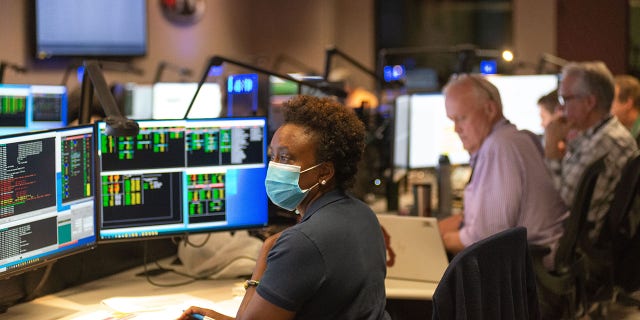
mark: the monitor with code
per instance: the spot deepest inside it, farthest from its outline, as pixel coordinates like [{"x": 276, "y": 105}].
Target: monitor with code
[{"x": 47, "y": 197}]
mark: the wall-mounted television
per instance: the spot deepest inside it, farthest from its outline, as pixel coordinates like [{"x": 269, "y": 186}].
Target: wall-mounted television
[{"x": 97, "y": 28}]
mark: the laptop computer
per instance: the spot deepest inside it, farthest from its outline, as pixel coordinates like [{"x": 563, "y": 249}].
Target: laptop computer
[{"x": 415, "y": 250}]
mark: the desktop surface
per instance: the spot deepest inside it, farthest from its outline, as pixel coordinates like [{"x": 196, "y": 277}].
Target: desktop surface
[{"x": 87, "y": 301}]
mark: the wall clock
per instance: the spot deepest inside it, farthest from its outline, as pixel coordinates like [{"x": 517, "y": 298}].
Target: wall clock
[{"x": 183, "y": 11}]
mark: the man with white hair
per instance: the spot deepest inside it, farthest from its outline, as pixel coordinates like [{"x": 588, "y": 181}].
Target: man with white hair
[{"x": 585, "y": 93}]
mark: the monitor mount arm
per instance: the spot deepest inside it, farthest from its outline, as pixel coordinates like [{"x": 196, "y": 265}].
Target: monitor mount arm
[{"x": 117, "y": 124}]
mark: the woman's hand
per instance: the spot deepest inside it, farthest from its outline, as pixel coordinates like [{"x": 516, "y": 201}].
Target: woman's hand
[{"x": 187, "y": 314}]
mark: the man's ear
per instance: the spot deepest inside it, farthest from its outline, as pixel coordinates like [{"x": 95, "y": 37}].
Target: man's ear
[
  {"x": 591, "y": 101},
  {"x": 491, "y": 109}
]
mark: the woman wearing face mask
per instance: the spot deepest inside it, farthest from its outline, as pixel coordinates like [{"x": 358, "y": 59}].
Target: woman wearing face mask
[{"x": 331, "y": 265}]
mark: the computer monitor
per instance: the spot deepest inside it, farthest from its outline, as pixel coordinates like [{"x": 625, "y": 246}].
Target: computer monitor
[
  {"x": 76, "y": 28},
  {"x": 47, "y": 201},
  {"x": 183, "y": 176},
  {"x": 49, "y": 109},
  {"x": 520, "y": 94},
  {"x": 15, "y": 105},
  {"x": 171, "y": 100},
  {"x": 25, "y": 107},
  {"x": 138, "y": 101},
  {"x": 280, "y": 91},
  {"x": 422, "y": 132}
]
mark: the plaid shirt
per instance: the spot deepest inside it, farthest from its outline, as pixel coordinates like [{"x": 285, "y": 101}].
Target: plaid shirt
[{"x": 609, "y": 137}]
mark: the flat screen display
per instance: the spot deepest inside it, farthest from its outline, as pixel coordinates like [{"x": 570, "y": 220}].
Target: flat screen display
[
  {"x": 47, "y": 201},
  {"x": 423, "y": 132},
  {"x": 97, "y": 28},
  {"x": 520, "y": 94},
  {"x": 171, "y": 100},
  {"x": 183, "y": 176}
]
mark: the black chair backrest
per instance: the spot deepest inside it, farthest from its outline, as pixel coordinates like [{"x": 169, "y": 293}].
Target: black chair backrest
[
  {"x": 625, "y": 194},
  {"x": 491, "y": 279},
  {"x": 574, "y": 225},
  {"x": 623, "y": 221}
]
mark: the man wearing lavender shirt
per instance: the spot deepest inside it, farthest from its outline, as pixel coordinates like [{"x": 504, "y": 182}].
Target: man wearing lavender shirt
[{"x": 510, "y": 185}]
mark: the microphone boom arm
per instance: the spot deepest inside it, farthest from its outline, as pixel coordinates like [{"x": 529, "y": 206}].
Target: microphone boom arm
[{"x": 219, "y": 60}]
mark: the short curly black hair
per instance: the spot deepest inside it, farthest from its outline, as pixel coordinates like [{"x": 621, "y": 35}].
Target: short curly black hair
[{"x": 340, "y": 133}]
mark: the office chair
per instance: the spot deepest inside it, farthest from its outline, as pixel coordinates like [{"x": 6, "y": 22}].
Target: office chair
[
  {"x": 491, "y": 279},
  {"x": 614, "y": 255},
  {"x": 562, "y": 290}
]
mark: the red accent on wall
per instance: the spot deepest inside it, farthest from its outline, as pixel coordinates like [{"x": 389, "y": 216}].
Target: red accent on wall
[{"x": 594, "y": 30}]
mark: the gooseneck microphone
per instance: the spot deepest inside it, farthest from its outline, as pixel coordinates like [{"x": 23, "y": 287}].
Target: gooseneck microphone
[
  {"x": 163, "y": 65},
  {"x": 4, "y": 65},
  {"x": 216, "y": 61}
]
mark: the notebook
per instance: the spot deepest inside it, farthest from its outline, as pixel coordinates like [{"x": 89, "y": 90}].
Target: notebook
[{"x": 417, "y": 246}]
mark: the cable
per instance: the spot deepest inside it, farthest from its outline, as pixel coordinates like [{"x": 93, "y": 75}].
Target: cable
[
  {"x": 191, "y": 278},
  {"x": 148, "y": 277},
  {"x": 185, "y": 238}
]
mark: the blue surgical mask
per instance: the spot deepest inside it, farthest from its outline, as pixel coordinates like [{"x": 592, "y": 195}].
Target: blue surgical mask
[{"x": 282, "y": 185}]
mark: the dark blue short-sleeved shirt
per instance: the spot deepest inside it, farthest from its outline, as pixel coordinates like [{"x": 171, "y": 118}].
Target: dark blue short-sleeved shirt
[{"x": 331, "y": 265}]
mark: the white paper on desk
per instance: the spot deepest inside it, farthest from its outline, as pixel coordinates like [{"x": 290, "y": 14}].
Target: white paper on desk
[{"x": 169, "y": 305}]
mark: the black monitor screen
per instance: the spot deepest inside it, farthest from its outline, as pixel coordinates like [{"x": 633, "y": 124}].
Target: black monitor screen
[
  {"x": 183, "y": 176},
  {"x": 47, "y": 197}
]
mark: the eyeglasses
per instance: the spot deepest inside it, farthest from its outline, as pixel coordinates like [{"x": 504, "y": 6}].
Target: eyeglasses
[{"x": 563, "y": 100}]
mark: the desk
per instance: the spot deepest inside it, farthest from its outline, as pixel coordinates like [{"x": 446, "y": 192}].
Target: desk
[
  {"x": 409, "y": 290},
  {"x": 80, "y": 301}
]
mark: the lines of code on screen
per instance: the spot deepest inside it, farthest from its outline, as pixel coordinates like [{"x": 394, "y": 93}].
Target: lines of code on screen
[
  {"x": 77, "y": 163},
  {"x": 27, "y": 176}
]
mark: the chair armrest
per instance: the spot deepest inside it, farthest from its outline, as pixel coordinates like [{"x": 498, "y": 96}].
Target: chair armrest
[
  {"x": 538, "y": 251},
  {"x": 554, "y": 281}
]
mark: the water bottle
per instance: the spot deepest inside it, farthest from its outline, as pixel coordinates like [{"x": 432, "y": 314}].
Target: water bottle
[{"x": 444, "y": 187}]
